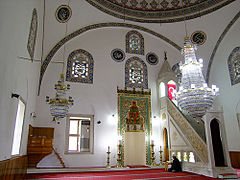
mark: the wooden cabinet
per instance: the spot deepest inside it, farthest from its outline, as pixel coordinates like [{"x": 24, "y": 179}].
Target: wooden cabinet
[
  {"x": 235, "y": 159},
  {"x": 40, "y": 141}
]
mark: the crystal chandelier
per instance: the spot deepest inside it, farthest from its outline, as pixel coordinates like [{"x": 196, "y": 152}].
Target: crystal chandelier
[
  {"x": 59, "y": 105},
  {"x": 194, "y": 95}
]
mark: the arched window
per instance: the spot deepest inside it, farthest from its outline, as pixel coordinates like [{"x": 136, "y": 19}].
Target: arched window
[
  {"x": 171, "y": 85},
  {"x": 136, "y": 74},
  {"x": 80, "y": 67},
  {"x": 234, "y": 65},
  {"x": 162, "y": 91},
  {"x": 134, "y": 43}
]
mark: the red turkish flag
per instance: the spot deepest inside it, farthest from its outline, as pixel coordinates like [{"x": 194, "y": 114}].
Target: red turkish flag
[{"x": 171, "y": 88}]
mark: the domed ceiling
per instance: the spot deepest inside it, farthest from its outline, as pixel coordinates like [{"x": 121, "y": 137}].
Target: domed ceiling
[{"x": 158, "y": 11}]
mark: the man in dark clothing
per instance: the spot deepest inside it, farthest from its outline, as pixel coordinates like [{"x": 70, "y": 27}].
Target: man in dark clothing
[{"x": 176, "y": 166}]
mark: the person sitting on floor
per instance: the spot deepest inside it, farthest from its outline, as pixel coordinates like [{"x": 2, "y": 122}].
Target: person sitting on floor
[{"x": 176, "y": 166}]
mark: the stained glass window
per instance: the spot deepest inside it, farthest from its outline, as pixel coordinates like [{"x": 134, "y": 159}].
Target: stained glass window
[
  {"x": 80, "y": 67},
  {"x": 134, "y": 43},
  {"x": 136, "y": 73},
  {"x": 234, "y": 65}
]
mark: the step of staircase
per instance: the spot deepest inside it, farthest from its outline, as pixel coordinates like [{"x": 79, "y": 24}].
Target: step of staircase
[{"x": 228, "y": 176}]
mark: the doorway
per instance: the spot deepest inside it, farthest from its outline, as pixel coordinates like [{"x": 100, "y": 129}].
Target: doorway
[
  {"x": 134, "y": 148},
  {"x": 217, "y": 143},
  {"x": 165, "y": 145}
]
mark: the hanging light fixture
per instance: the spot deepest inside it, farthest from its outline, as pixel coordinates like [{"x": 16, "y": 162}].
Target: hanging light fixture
[
  {"x": 60, "y": 105},
  {"x": 194, "y": 95}
]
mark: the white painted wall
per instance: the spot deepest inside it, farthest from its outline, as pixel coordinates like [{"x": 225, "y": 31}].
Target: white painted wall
[
  {"x": 229, "y": 95},
  {"x": 100, "y": 98},
  {"x": 16, "y": 75},
  {"x": 177, "y": 142}
]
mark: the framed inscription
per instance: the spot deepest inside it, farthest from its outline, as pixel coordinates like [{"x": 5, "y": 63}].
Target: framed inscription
[
  {"x": 63, "y": 13},
  {"x": 152, "y": 58},
  {"x": 198, "y": 37},
  {"x": 117, "y": 55}
]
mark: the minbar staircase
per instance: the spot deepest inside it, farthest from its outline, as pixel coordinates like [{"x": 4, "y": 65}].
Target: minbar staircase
[
  {"x": 40, "y": 145},
  {"x": 59, "y": 158},
  {"x": 187, "y": 131},
  {"x": 195, "y": 133}
]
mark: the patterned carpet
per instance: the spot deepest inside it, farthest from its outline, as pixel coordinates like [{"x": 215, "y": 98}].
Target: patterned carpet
[
  {"x": 238, "y": 172},
  {"x": 140, "y": 174}
]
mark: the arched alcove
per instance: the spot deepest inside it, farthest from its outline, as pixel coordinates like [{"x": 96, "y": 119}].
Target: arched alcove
[
  {"x": 217, "y": 143},
  {"x": 165, "y": 145},
  {"x": 164, "y": 116}
]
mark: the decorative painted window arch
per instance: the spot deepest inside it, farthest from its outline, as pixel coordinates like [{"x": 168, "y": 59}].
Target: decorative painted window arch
[
  {"x": 80, "y": 67},
  {"x": 134, "y": 43},
  {"x": 136, "y": 74},
  {"x": 234, "y": 66}
]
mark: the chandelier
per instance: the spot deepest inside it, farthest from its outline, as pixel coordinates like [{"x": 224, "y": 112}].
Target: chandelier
[
  {"x": 194, "y": 95},
  {"x": 59, "y": 105}
]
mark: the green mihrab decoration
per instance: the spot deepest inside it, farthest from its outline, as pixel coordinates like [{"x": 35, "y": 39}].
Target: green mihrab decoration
[{"x": 134, "y": 121}]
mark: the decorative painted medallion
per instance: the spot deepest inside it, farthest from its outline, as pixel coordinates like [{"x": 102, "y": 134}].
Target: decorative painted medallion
[
  {"x": 152, "y": 58},
  {"x": 234, "y": 66},
  {"x": 80, "y": 67},
  {"x": 63, "y": 13},
  {"x": 136, "y": 74},
  {"x": 153, "y": 11},
  {"x": 198, "y": 37},
  {"x": 118, "y": 55},
  {"x": 32, "y": 34},
  {"x": 134, "y": 43}
]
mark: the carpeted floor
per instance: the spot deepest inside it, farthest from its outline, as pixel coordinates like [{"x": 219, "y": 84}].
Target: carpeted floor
[
  {"x": 238, "y": 172},
  {"x": 151, "y": 174}
]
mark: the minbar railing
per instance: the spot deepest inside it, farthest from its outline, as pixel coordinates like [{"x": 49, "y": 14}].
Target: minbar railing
[{"x": 187, "y": 130}]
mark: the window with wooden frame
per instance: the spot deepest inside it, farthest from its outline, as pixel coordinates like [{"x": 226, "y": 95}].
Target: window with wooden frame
[{"x": 79, "y": 134}]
